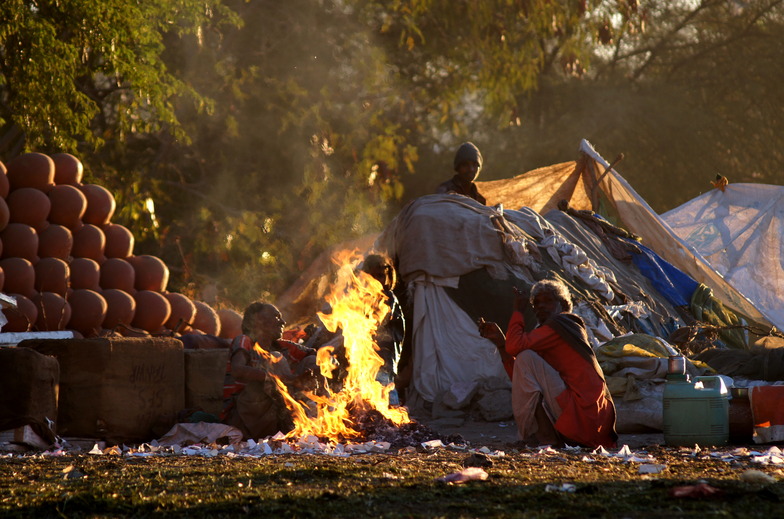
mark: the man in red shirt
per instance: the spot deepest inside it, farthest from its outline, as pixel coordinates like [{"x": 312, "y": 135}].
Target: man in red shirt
[
  {"x": 558, "y": 390},
  {"x": 252, "y": 400}
]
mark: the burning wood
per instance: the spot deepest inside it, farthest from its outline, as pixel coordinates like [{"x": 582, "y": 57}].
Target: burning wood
[{"x": 359, "y": 405}]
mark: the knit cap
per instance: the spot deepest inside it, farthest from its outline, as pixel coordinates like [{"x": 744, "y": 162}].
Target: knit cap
[{"x": 468, "y": 152}]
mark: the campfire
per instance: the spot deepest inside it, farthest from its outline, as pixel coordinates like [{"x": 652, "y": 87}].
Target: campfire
[{"x": 360, "y": 407}]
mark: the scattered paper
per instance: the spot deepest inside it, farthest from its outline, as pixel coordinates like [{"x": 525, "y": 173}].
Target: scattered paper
[
  {"x": 651, "y": 468},
  {"x": 465, "y": 475},
  {"x": 566, "y": 487},
  {"x": 695, "y": 491},
  {"x": 757, "y": 477}
]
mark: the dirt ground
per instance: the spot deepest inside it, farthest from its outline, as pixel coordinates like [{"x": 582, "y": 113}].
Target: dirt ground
[{"x": 501, "y": 435}]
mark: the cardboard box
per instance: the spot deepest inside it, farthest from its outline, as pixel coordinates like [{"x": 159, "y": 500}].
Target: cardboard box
[{"x": 117, "y": 389}]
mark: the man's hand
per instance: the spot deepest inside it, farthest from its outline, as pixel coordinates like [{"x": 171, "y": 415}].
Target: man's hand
[
  {"x": 521, "y": 299},
  {"x": 492, "y": 332}
]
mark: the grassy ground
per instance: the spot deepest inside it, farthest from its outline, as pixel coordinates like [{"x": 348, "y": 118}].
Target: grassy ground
[{"x": 520, "y": 484}]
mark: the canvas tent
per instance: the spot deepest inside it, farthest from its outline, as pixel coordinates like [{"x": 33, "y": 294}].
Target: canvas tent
[
  {"x": 457, "y": 259},
  {"x": 738, "y": 230},
  {"x": 589, "y": 184}
]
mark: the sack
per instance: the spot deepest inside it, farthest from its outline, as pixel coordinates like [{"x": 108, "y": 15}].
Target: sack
[
  {"x": 205, "y": 371},
  {"x": 28, "y": 390},
  {"x": 119, "y": 389}
]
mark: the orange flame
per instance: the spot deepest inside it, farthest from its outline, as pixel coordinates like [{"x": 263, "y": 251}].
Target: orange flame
[{"x": 358, "y": 306}]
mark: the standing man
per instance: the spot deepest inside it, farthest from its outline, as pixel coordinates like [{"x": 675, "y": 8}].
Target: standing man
[
  {"x": 468, "y": 164},
  {"x": 558, "y": 390}
]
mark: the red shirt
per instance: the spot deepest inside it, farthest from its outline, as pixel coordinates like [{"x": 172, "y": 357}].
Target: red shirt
[{"x": 588, "y": 416}]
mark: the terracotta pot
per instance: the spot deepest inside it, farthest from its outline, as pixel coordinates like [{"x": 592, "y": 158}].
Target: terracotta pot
[
  {"x": 29, "y": 206},
  {"x": 152, "y": 311},
  {"x": 88, "y": 311},
  {"x": 54, "y": 312},
  {"x": 31, "y": 170},
  {"x": 121, "y": 307},
  {"x": 100, "y": 204},
  {"x": 85, "y": 273},
  {"x": 4, "y": 185},
  {"x": 119, "y": 241},
  {"x": 68, "y": 206},
  {"x": 2, "y": 279},
  {"x": 151, "y": 273},
  {"x": 118, "y": 273},
  {"x": 182, "y": 311},
  {"x": 89, "y": 242},
  {"x": 52, "y": 275},
  {"x": 19, "y": 276},
  {"x": 206, "y": 319},
  {"x": 56, "y": 241},
  {"x": 20, "y": 241},
  {"x": 230, "y": 323},
  {"x": 5, "y": 213},
  {"x": 23, "y": 317},
  {"x": 67, "y": 169}
]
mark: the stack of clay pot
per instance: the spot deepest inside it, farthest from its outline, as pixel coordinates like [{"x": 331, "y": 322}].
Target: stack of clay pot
[{"x": 70, "y": 268}]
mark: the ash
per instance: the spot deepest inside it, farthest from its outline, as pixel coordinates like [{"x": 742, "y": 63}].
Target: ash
[{"x": 375, "y": 427}]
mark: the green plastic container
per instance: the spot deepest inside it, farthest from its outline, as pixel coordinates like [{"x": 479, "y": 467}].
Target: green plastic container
[{"x": 696, "y": 412}]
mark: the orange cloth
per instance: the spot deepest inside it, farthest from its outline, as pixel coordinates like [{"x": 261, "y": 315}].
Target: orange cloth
[
  {"x": 587, "y": 416},
  {"x": 767, "y": 410}
]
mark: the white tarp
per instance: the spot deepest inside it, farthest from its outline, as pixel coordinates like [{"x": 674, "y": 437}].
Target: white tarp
[{"x": 738, "y": 231}]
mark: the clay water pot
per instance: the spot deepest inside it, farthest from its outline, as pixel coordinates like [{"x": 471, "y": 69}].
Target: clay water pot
[
  {"x": 118, "y": 273},
  {"x": 121, "y": 307},
  {"x": 68, "y": 206},
  {"x": 182, "y": 312},
  {"x": 89, "y": 242},
  {"x": 119, "y": 241},
  {"x": 100, "y": 204},
  {"x": 5, "y": 213},
  {"x": 230, "y": 323},
  {"x": 52, "y": 275},
  {"x": 2, "y": 279},
  {"x": 19, "y": 276},
  {"x": 54, "y": 312},
  {"x": 56, "y": 241},
  {"x": 4, "y": 185},
  {"x": 67, "y": 169},
  {"x": 31, "y": 170},
  {"x": 29, "y": 206},
  {"x": 152, "y": 311},
  {"x": 20, "y": 241},
  {"x": 23, "y": 317},
  {"x": 85, "y": 273},
  {"x": 88, "y": 311},
  {"x": 206, "y": 319},
  {"x": 151, "y": 273}
]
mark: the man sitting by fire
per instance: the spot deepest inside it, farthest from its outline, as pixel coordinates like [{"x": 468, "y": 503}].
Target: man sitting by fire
[
  {"x": 253, "y": 402},
  {"x": 558, "y": 390}
]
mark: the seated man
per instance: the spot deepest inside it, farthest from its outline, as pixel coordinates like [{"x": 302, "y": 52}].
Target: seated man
[
  {"x": 468, "y": 164},
  {"x": 558, "y": 390},
  {"x": 252, "y": 400}
]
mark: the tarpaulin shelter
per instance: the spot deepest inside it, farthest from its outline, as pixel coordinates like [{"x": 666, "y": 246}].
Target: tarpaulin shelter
[
  {"x": 458, "y": 259},
  {"x": 591, "y": 184},
  {"x": 738, "y": 230}
]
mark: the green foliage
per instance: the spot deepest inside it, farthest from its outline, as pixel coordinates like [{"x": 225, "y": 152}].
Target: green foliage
[
  {"x": 243, "y": 138},
  {"x": 65, "y": 64}
]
